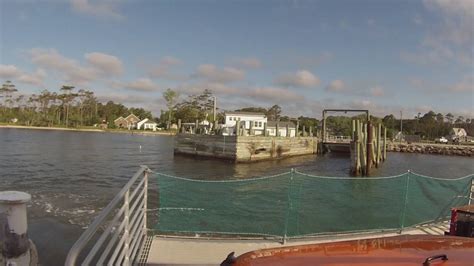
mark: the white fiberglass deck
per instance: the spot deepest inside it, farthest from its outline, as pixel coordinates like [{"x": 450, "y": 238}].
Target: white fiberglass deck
[{"x": 199, "y": 251}]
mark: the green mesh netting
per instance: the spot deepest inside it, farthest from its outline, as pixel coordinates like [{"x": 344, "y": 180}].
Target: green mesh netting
[
  {"x": 323, "y": 205},
  {"x": 256, "y": 206},
  {"x": 295, "y": 204},
  {"x": 430, "y": 199}
]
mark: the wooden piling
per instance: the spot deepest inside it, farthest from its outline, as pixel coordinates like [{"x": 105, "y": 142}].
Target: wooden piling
[
  {"x": 363, "y": 148},
  {"x": 353, "y": 128},
  {"x": 265, "y": 132},
  {"x": 297, "y": 132},
  {"x": 277, "y": 133},
  {"x": 251, "y": 133},
  {"x": 304, "y": 131},
  {"x": 369, "y": 148},
  {"x": 379, "y": 144},
  {"x": 376, "y": 146},
  {"x": 237, "y": 127},
  {"x": 179, "y": 125},
  {"x": 358, "y": 144},
  {"x": 384, "y": 144},
  {"x": 287, "y": 130},
  {"x": 196, "y": 125},
  {"x": 311, "y": 131}
]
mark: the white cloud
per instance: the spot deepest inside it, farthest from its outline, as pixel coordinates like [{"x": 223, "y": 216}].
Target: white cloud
[
  {"x": 224, "y": 75},
  {"x": 417, "y": 19},
  {"x": 36, "y": 78},
  {"x": 449, "y": 40},
  {"x": 71, "y": 71},
  {"x": 311, "y": 61},
  {"x": 302, "y": 78},
  {"x": 249, "y": 62},
  {"x": 107, "y": 64},
  {"x": 466, "y": 85},
  {"x": 170, "y": 61},
  {"x": 336, "y": 86},
  {"x": 273, "y": 94},
  {"x": 98, "y": 8},
  {"x": 163, "y": 69},
  {"x": 377, "y": 91},
  {"x": 17, "y": 75},
  {"x": 141, "y": 84},
  {"x": 9, "y": 71}
]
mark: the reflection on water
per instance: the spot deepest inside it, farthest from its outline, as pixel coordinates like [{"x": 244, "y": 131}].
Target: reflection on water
[{"x": 72, "y": 175}]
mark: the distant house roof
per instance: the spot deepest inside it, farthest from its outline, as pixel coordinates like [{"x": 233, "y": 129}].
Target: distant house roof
[
  {"x": 120, "y": 118},
  {"x": 146, "y": 121},
  {"x": 245, "y": 113},
  {"x": 459, "y": 131},
  {"x": 281, "y": 124},
  {"x": 132, "y": 116}
]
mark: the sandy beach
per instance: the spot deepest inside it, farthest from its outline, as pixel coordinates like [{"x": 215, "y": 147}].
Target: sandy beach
[{"x": 132, "y": 132}]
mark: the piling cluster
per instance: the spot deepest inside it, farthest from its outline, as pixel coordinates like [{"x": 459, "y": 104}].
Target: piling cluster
[{"x": 368, "y": 146}]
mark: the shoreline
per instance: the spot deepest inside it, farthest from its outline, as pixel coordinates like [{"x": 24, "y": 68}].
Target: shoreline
[
  {"x": 131, "y": 132},
  {"x": 427, "y": 148}
]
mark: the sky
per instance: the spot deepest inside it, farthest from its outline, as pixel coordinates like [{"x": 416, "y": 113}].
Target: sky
[{"x": 385, "y": 56}]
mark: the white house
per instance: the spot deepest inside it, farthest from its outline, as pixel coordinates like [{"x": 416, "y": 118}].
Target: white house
[
  {"x": 271, "y": 128},
  {"x": 147, "y": 124},
  {"x": 458, "y": 133},
  {"x": 257, "y": 120}
]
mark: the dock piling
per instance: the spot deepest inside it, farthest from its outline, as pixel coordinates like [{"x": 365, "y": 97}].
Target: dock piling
[
  {"x": 15, "y": 247},
  {"x": 369, "y": 148},
  {"x": 237, "y": 128},
  {"x": 384, "y": 144}
]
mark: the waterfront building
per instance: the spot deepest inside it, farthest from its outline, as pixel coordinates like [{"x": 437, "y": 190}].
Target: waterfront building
[
  {"x": 129, "y": 122},
  {"x": 282, "y": 127},
  {"x": 458, "y": 134},
  {"x": 147, "y": 124},
  {"x": 120, "y": 122},
  {"x": 248, "y": 120}
]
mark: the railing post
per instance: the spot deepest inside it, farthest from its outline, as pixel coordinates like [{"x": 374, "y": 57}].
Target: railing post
[
  {"x": 289, "y": 206},
  {"x": 405, "y": 202},
  {"x": 145, "y": 202},
  {"x": 126, "y": 234},
  {"x": 471, "y": 195}
]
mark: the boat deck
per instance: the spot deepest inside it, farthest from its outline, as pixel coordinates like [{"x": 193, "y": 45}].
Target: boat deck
[{"x": 165, "y": 250}]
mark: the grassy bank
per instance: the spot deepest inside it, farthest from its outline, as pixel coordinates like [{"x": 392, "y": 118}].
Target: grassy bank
[{"x": 91, "y": 129}]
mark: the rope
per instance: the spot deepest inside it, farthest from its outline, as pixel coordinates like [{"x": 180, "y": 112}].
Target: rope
[
  {"x": 221, "y": 181},
  {"x": 351, "y": 178},
  {"x": 444, "y": 179},
  {"x": 308, "y": 175}
]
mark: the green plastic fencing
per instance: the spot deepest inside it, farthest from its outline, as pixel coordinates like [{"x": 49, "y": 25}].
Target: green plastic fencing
[{"x": 295, "y": 204}]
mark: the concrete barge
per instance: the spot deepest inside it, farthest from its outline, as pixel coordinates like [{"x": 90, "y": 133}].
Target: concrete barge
[{"x": 244, "y": 148}]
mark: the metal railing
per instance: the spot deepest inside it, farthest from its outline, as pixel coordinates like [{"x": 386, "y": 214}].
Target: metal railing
[
  {"x": 123, "y": 235},
  {"x": 338, "y": 139}
]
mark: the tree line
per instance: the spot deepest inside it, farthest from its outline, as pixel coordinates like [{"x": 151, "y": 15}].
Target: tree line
[
  {"x": 70, "y": 107},
  {"x": 67, "y": 107},
  {"x": 200, "y": 106}
]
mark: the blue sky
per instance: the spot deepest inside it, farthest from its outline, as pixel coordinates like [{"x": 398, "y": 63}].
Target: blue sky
[{"x": 305, "y": 56}]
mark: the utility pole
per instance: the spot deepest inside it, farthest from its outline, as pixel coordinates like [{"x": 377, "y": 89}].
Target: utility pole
[
  {"x": 214, "y": 122},
  {"x": 401, "y": 125},
  {"x": 215, "y": 107}
]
